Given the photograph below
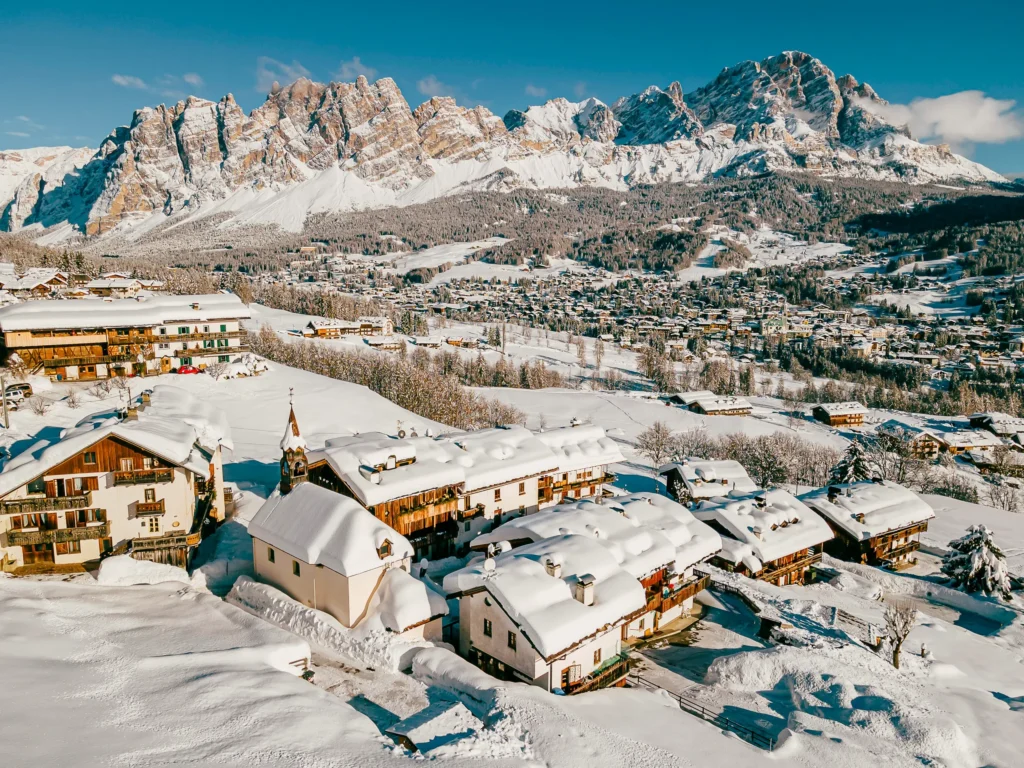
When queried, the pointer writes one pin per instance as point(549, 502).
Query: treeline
point(310, 300)
point(402, 380)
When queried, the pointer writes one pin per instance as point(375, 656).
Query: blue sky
point(60, 59)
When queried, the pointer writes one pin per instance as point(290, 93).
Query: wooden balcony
point(612, 672)
point(145, 508)
point(685, 592)
point(144, 477)
point(168, 541)
point(64, 362)
point(46, 504)
point(773, 574)
point(17, 538)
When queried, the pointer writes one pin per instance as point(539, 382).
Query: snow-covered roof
point(174, 425)
point(292, 440)
point(403, 601)
point(321, 527)
point(544, 605)
point(361, 461)
point(723, 403)
point(771, 524)
point(581, 446)
point(969, 438)
point(113, 282)
point(116, 313)
point(842, 409)
point(436, 724)
point(691, 397)
point(706, 478)
point(491, 457)
point(326, 322)
point(644, 532)
point(867, 509)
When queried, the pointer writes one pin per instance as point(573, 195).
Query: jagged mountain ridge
point(314, 147)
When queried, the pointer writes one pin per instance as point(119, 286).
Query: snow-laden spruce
point(976, 564)
point(853, 467)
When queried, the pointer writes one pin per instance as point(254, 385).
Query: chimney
point(195, 305)
point(585, 590)
point(834, 492)
point(554, 569)
point(859, 517)
point(131, 413)
point(756, 530)
point(146, 398)
point(761, 500)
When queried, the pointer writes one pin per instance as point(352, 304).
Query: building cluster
point(631, 308)
point(103, 338)
point(774, 536)
point(46, 282)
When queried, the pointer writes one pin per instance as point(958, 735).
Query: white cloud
point(964, 118)
point(431, 86)
point(19, 134)
point(350, 70)
point(128, 81)
point(270, 71)
point(193, 79)
point(580, 89)
point(535, 90)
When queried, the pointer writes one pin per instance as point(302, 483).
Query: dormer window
point(385, 549)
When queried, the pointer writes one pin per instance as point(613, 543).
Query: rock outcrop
point(786, 112)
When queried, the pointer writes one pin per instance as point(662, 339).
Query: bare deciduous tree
point(39, 406)
point(900, 617)
point(72, 398)
point(655, 443)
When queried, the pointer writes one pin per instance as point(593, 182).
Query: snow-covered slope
point(347, 146)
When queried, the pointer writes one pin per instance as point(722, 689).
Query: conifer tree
point(975, 564)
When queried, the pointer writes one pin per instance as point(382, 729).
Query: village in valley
point(650, 512)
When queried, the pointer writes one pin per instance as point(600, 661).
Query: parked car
point(14, 397)
point(188, 369)
point(25, 389)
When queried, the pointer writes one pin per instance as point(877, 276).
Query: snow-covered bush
point(975, 564)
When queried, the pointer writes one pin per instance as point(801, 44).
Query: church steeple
point(293, 452)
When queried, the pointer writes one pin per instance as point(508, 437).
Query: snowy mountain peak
point(342, 146)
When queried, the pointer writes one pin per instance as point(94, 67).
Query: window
point(497, 494)
point(182, 330)
point(511, 639)
point(89, 457)
point(270, 554)
point(37, 486)
point(597, 657)
point(641, 623)
point(487, 628)
point(163, 332)
point(150, 494)
point(147, 463)
point(69, 548)
point(295, 568)
point(522, 489)
point(467, 525)
point(223, 328)
point(127, 465)
point(206, 329)
point(164, 346)
point(154, 525)
point(223, 358)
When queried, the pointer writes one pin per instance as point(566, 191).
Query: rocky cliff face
point(786, 112)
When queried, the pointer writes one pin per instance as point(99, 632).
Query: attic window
point(384, 550)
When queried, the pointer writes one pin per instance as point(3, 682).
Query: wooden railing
point(610, 673)
point(685, 592)
point(150, 507)
point(46, 504)
point(63, 362)
point(144, 477)
point(16, 538)
point(755, 736)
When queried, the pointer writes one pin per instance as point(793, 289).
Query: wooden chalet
point(874, 522)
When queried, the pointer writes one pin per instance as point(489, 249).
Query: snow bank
point(440, 668)
point(827, 688)
point(372, 646)
point(125, 571)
